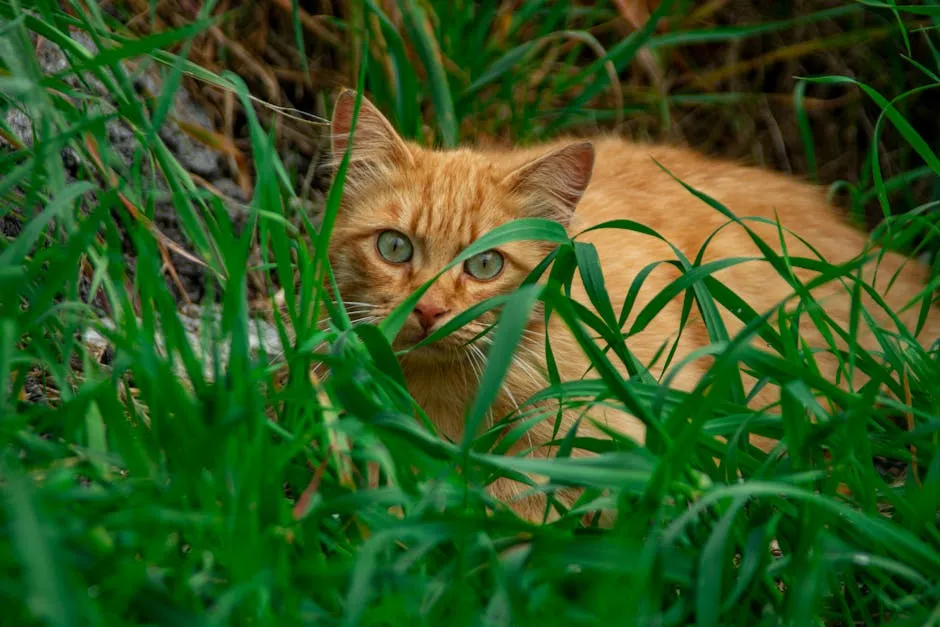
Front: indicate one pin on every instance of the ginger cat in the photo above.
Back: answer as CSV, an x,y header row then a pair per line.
x,y
407,211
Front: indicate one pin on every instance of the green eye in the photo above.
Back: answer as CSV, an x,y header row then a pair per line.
x,y
394,247
485,266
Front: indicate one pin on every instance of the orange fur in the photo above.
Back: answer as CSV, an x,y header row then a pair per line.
x,y
444,200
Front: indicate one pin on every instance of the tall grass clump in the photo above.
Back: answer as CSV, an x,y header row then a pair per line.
x,y
160,476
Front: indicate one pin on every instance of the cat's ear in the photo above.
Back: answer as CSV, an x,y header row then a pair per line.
x,y
375,142
553,184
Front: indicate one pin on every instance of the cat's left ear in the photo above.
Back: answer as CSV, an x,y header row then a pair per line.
x,y
375,142
553,184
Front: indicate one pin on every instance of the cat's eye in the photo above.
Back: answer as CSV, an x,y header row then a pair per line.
x,y
394,247
485,266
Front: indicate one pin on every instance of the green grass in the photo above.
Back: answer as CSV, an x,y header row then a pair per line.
x,y
143,491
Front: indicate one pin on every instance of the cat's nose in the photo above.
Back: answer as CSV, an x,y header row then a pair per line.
x,y
428,314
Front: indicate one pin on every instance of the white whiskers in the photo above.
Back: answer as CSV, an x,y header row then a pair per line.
x,y
477,361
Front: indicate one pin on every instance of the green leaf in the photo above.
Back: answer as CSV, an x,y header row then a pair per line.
x,y
62,203
512,322
43,572
416,21
589,265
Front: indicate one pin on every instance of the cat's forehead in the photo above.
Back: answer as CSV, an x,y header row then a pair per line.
x,y
459,176
453,197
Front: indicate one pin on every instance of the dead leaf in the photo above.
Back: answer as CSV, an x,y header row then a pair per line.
x,y
636,12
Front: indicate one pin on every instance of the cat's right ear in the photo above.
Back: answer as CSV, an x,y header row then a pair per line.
x,y
553,184
376,145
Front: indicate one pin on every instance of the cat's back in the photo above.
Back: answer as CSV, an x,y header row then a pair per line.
x,y
638,181
630,182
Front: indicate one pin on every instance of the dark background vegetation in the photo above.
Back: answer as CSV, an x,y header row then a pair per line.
x,y
723,77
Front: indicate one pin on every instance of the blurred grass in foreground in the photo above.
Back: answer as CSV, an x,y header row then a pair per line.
x,y
140,490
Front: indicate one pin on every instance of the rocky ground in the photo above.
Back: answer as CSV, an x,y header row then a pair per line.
x,y
210,169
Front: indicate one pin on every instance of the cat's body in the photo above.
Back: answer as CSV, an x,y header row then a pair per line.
x,y
441,201
627,184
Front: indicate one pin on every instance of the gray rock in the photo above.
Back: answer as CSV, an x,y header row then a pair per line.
x,y
231,189
20,125
193,155
123,142
198,322
51,58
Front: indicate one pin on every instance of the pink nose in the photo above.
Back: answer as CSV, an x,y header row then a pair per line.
x,y
428,314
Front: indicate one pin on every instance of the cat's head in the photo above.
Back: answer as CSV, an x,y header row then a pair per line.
x,y
408,211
